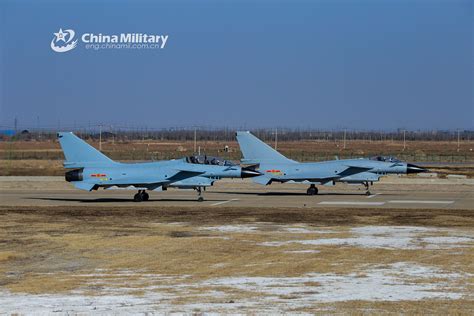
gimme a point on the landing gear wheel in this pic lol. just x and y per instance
(141, 196)
(200, 197)
(138, 197)
(368, 193)
(312, 190)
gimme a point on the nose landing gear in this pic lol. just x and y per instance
(366, 185)
(312, 190)
(200, 197)
(141, 196)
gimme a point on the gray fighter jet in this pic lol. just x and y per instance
(274, 167)
(92, 170)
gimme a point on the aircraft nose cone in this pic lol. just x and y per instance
(415, 169)
(248, 172)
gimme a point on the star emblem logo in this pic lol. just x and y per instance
(60, 36)
(67, 44)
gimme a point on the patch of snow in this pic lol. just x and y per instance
(231, 228)
(75, 303)
(215, 237)
(387, 237)
(300, 230)
(438, 242)
(303, 251)
(219, 265)
(176, 223)
(384, 230)
(261, 227)
(394, 282)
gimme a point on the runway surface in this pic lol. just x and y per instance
(393, 193)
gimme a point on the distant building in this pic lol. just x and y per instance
(7, 132)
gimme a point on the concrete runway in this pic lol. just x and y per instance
(392, 193)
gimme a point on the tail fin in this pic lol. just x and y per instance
(256, 151)
(80, 154)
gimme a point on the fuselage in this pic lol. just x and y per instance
(346, 170)
(171, 173)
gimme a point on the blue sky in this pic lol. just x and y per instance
(242, 64)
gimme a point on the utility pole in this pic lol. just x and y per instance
(404, 140)
(38, 126)
(194, 139)
(100, 137)
(276, 138)
(345, 138)
(458, 139)
(113, 135)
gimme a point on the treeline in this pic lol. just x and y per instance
(281, 134)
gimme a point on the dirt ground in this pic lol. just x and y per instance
(80, 259)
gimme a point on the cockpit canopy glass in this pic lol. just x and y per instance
(209, 160)
(385, 159)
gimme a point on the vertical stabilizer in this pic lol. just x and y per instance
(256, 151)
(80, 154)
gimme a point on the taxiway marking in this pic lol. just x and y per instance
(350, 203)
(420, 202)
(373, 195)
(223, 202)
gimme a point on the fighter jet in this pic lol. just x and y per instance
(274, 167)
(93, 170)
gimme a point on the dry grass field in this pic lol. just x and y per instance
(45, 158)
(320, 148)
(223, 259)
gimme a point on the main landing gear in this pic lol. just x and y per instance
(141, 196)
(312, 190)
(200, 197)
(366, 185)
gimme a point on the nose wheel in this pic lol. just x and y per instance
(141, 196)
(312, 190)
